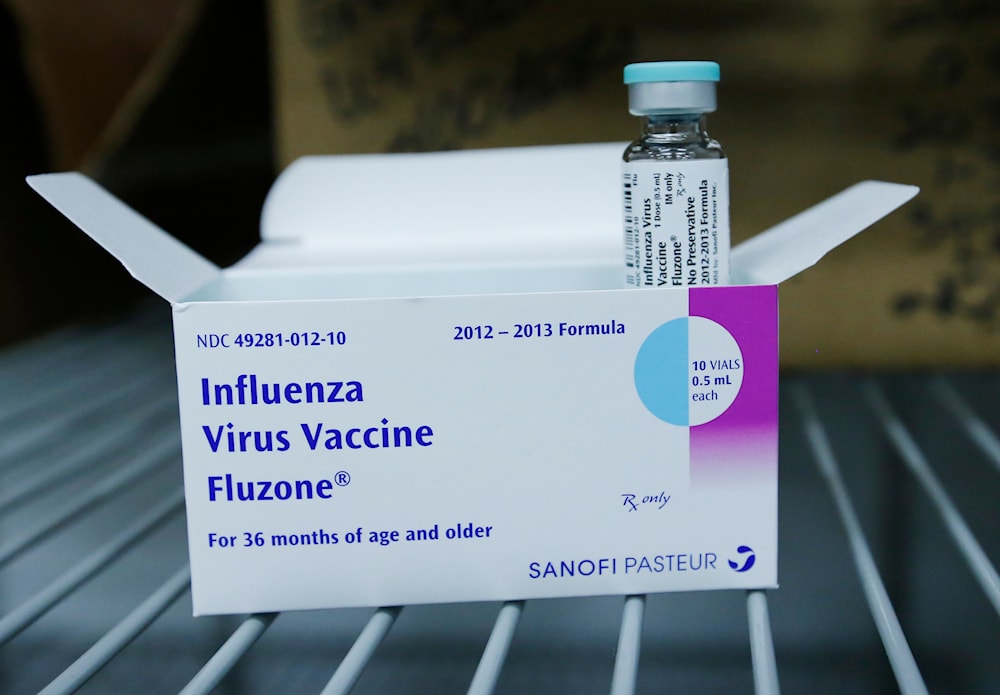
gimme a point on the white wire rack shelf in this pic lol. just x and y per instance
(889, 536)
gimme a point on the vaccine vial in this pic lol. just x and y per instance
(675, 179)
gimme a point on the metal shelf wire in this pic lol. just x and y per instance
(889, 516)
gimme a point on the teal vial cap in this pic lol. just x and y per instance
(666, 87)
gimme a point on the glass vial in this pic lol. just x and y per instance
(675, 179)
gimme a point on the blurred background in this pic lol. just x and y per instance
(187, 109)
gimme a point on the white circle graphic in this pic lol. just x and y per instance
(715, 370)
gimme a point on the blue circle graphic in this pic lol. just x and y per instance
(661, 372)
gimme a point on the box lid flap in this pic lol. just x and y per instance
(536, 207)
(559, 203)
(798, 242)
(152, 256)
(531, 204)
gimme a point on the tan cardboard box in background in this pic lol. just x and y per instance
(814, 97)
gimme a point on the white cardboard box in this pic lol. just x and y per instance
(428, 381)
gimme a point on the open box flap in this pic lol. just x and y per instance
(534, 206)
(552, 204)
(556, 203)
(152, 256)
(797, 243)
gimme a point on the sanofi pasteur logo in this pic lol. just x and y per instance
(746, 556)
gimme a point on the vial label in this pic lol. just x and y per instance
(676, 222)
